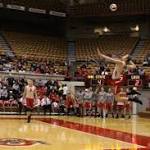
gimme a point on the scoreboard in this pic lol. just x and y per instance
(135, 80)
(131, 80)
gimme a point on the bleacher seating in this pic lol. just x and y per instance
(37, 47)
(140, 56)
(117, 45)
(2, 52)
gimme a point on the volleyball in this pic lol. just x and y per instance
(113, 7)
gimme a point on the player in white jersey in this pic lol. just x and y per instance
(101, 102)
(30, 98)
(87, 97)
(79, 102)
(109, 102)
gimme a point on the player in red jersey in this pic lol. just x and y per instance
(30, 98)
(120, 65)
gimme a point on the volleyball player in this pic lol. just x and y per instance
(120, 65)
(87, 97)
(110, 102)
(101, 103)
(30, 98)
(121, 99)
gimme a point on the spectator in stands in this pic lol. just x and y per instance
(49, 86)
(55, 107)
(16, 89)
(20, 105)
(4, 93)
(69, 103)
(65, 91)
(53, 96)
(135, 71)
(141, 72)
(22, 84)
(1, 90)
(148, 58)
(46, 104)
(10, 80)
(60, 90)
(11, 95)
(145, 62)
(22, 70)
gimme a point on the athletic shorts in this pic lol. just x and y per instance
(101, 105)
(108, 105)
(70, 104)
(30, 103)
(87, 105)
(119, 107)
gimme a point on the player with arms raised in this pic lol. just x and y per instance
(120, 65)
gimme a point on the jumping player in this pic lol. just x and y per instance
(29, 97)
(120, 65)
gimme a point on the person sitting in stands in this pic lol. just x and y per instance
(46, 104)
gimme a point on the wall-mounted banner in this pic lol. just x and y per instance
(36, 10)
(56, 13)
(16, 7)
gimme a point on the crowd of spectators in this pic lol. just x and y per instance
(103, 69)
(86, 69)
(29, 66)
(50, 93)
(61, 68)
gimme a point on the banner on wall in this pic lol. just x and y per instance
(16, 7)
(56, 13)
(36, 10)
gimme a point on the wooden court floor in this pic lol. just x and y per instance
(74, 133)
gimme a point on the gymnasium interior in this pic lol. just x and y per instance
(77, 105)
